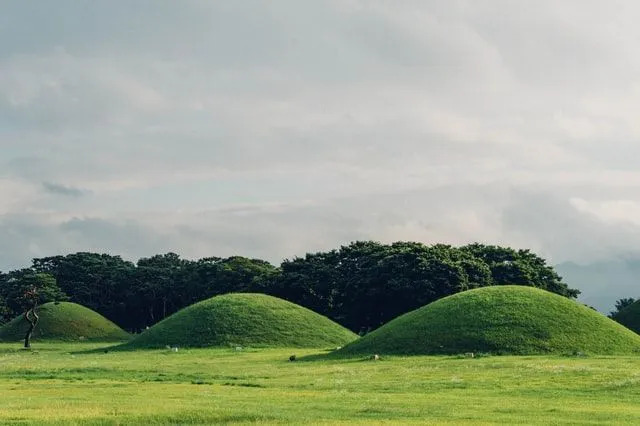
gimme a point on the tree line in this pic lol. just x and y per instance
(361, 285)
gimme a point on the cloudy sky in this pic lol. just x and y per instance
(273, 128)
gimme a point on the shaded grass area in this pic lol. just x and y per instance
(243, 319)
(64, 321)
(500, 319)
(224, 386)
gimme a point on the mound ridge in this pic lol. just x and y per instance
(499, 319)
(243, 319)
(64, 321)
(629, 316)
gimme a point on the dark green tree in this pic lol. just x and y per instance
(366, 283)
(98, 281)
(26, 290)
(620, 305)
(519, 267)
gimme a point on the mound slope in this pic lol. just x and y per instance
(500, 319)
(64, 321)
(243, 319)
(629, 316)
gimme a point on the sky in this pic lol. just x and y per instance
(274, 128)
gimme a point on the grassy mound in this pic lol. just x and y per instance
(64, 321)
(500, 319)
(629, 316)
(244, 319)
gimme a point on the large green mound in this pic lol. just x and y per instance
(629, 316)
(244, 319)
(64, 321)
(501, 320)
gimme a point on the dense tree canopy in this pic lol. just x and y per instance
(620, 305)
(23, 290)
(366, 284)
(361, 285)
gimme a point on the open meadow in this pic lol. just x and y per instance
(62, 383)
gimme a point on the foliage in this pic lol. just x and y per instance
(628, 314)
(361, 286)
(366, 284)
(25, 288)
(5, 311)
(64, 321)
(100, 282)
(59, 386)
(620, 305)
(505, 319)
(139, 295)
(244, 319)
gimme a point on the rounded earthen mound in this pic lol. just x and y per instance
(244, 320)
(64, 321)
(499, 320)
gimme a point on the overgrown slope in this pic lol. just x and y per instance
(500, 319)
(244, 319)
(64, 321)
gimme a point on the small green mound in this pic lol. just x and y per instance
(64, 321)
(500, 320)
(629, 316)
(243, 320)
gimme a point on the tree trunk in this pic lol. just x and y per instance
(32, 325)
(164, 308)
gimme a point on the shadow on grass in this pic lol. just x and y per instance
(333, 355)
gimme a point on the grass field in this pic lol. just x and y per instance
(54, 384)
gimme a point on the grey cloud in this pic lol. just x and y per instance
(603, 282)
(58, 189)
(557, 227)
(272, 128)
(494, 214)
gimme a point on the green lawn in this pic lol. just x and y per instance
(54, 384)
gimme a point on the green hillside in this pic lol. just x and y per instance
(500, 319)
(244, 319)
(64, 321)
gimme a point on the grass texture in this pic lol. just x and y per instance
(56, 385)
(243, 320)
(64, 321)
(500, 320)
